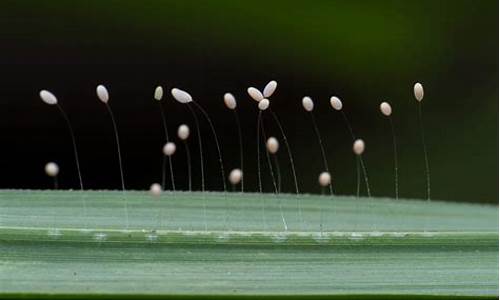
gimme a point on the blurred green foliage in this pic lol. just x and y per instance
(363, 51)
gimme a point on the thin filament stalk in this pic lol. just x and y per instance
(268, 155)
(119, 162)
(75, 151)
(323, 154)
(366, 176)
(290, 156)
(202, 169)
(77, 159)
(278, 172)
(163, 178)
(198, 133)
(358, 172)
(259, 116)
(188, 160)
(424, 145)
(219, 152)
(117, 146)
(271, 172)
(240, 137)
(299, 206)
(394, 144)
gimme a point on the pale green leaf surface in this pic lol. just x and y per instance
(50, 244)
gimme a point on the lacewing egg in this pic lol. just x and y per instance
(307, 103)
(181, 96)
(418, 90)
(169, 148)
(324, 179)
(48, 97)
(358, 147)
(263, 104)
(272, 145)
(229, 101)
(270, 88)
(155, 189)
(336, 103)
(102, 93)
(183, 132)
(255, 94)
(386, 109)
(158, 93)
(52, 169)
(235, 176)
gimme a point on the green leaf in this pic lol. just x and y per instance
(74, 244)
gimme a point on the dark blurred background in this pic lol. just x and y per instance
(364, 52)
